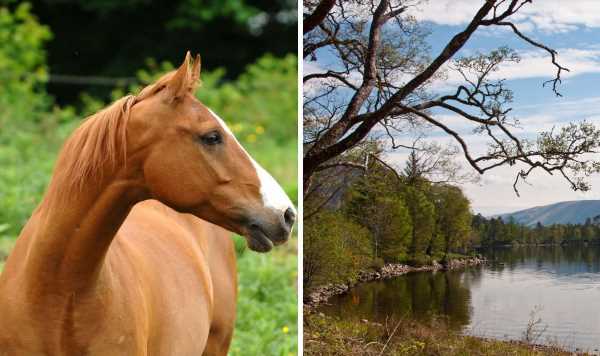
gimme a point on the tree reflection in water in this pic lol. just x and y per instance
(495, 300)
(415, 295)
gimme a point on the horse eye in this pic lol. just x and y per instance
(212, 138)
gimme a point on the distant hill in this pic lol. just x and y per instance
(567, 212)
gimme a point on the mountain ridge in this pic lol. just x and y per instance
(566, 212)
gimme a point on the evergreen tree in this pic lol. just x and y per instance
(453, 216)
(422, 213)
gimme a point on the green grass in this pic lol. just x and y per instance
(325, 335)
(267, 303)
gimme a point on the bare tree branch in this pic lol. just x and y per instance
(395, 93)
(318, 15)
(326, 149)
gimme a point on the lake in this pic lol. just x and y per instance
(559, 285)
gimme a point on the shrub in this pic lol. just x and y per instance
(335, 249)
(22, 66)
(377, 263)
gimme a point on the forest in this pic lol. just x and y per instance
(495, 231)
(381, 216)
(366, 216)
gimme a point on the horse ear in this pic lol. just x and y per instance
(196, 69)
(179, 85)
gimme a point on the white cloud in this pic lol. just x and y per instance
(562, 111)
(494, 193)
(309, 67)
(446, 12)
(546, 15)
(535, 64)
(557, 15)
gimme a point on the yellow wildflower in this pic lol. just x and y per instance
(251, 138)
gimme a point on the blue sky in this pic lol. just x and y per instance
(573, 29)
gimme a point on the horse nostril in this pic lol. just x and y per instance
(289, 216)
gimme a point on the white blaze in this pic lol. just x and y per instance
(273, 196)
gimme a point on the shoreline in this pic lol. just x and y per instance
(321, 294)
(367, 338)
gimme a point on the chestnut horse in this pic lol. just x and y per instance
(128, 253)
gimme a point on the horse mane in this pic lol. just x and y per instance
(101, 140)
(95, 143)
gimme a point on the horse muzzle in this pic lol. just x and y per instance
(268, 230)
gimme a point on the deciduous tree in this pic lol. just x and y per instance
(379, 74)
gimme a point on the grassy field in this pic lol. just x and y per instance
(328, 336)
(267, 306)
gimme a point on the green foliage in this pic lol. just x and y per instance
(28, 130)
(194, 13)
(335, 249)
(453, 217)
(379, 206)
(189, 13)
(267, 322)
(496, 232)
(325, 335)
(228, 33)
(22, 65)
(422, 213)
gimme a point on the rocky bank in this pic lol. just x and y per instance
(323, 293)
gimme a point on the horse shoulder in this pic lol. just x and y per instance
(220, 253)
(171, 274)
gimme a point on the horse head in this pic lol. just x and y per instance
(192, 162)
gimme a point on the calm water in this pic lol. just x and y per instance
(561, 283)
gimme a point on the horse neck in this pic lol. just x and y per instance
(71, 234)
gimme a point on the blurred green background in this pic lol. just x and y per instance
(62, 60)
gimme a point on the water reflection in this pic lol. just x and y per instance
(416, 295)
(496, 301)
